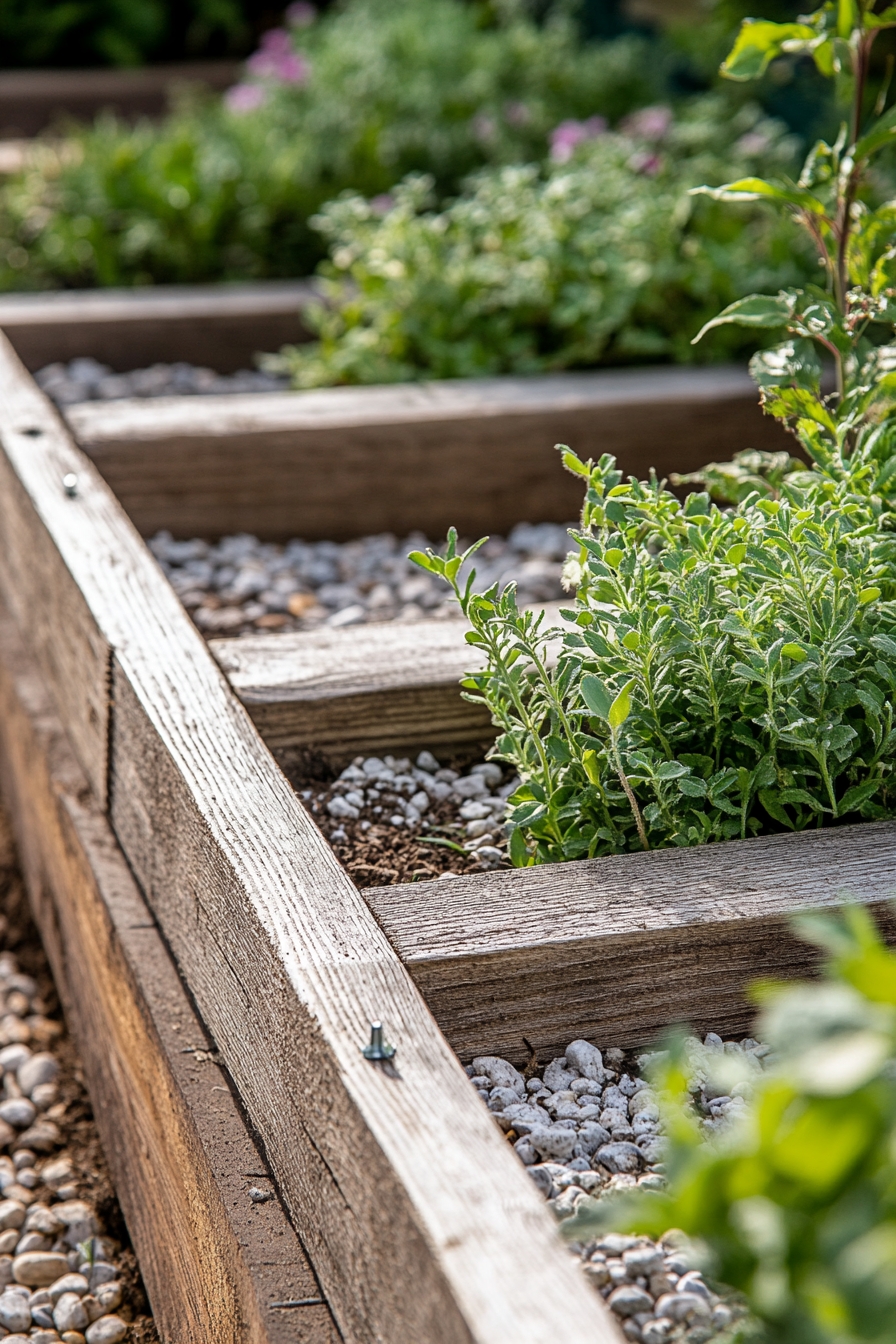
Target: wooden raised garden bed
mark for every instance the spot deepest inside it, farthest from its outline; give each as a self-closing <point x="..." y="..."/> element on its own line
<point x="477" y="453"/>
<point x="153" y="816"/>
<point x="32" y="100"/>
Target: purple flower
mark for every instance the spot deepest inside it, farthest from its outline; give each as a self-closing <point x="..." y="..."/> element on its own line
<point x="517" y="114"/>
<point x="276" y="59"/>
<point x="300" y="14"/>
<point x="382" y="204"/>
<point x="244" y="97"/>
<point x="569" y="134"/>
<point x="483" y="128"/>
<point x="754" y="142"/>
<point x="648" y="164"/>
<point x="650" y="123"/>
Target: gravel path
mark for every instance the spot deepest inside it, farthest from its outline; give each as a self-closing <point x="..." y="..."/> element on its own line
<point x="389" y="820"/>
<point x="66" y="1271"/>
<point x="241" y="585"/>
<point x="85" y="379"/>
<point x="588" y="1124"/>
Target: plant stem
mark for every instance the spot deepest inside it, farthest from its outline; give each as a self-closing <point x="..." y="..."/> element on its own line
<point x="633" y="802"/>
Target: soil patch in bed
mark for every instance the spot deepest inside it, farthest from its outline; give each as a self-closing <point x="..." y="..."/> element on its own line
<point x="389" y="820"/>
<point x="64" y="1169"/>
<point x="241" y="585"/>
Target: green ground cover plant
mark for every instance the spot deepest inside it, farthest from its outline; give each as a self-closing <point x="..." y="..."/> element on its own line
<point x="355" y="98"/>
<point x="599" y="256"/>
<point x="793" y="1204"/>
<point x="730" y="670"/>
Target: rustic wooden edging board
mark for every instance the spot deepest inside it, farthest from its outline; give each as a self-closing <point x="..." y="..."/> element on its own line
<point x="617" y="949"/>
<point x="31" y="100"/>
<point x="180" y="1154"/>
<point x="371" y="688"/>
<point x="614" y="949"/>
<point x="416" y="1216"/>
<point x="474" y="453"/>
<point x="219" y="326"/>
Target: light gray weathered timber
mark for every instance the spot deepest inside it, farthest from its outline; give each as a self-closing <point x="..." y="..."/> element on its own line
<point x="416" y="1215"/>
<point x="347" y="461"/>
<point x="181" y="1157"/>
<point x="389" y="687"/>
<point x="617" y="949"/>
<point x="31" y="100"/>
<point x="222" y="327"/>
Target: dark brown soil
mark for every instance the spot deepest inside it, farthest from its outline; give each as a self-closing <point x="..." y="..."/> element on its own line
<point x="385" y="855"/>
<point x="72" y="1113"/>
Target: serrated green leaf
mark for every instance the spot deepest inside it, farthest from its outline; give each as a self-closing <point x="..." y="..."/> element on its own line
<point x="760" y="42"/>
<point x="671" y="770"/>
<point x="858" y="794"/>
<point x="596" y="696"/>
<point x="756" y="311"/>
<point x="518" y="850"/>
<point x="621" y="706"/>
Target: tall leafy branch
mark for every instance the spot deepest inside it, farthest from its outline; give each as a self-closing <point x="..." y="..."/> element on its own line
<point x="728" y="671"/>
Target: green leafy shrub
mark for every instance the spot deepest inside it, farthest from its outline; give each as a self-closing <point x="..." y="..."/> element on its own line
<point x="731" y="670"/>
<point x="601" y="257"/>
<point x="794" y="1203"/>
<point x="373" y="90"/>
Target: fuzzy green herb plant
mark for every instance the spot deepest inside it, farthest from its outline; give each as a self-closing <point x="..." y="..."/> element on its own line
<point x="794" y="1203"/>
<point x="726" y="671"/>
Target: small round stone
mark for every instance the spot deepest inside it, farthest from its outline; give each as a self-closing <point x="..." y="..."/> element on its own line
<point x="629" y="1300"/>
<point x="38" y="1269"/>
<point x="106" y="1330"/>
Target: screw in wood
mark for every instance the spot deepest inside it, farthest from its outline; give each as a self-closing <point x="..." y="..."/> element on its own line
<point x="377" y="1049"/>
<point x="70" y="484"/>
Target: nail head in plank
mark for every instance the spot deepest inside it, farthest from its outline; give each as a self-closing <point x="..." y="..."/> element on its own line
<point x="477" y="454"/>
<point x="617" y="949"/>
<point x="171" y="1129"/>
<point x="390" y="1180"/>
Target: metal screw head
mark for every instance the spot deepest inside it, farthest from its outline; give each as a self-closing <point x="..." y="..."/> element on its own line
<point x="70" y="484"/>
<point x="377" y="1049"/>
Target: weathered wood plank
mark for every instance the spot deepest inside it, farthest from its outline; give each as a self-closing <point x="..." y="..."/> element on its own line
<point x="178" y="1148"/>
<point x="390" y="687"/>
<point x="617" y="949"/>
<point x="474" y="453"/>
<point x="219" y="326"/>
<point x="31" y="100"/>
<point x="42" y="592"/>
<point x="394" y="1179"/>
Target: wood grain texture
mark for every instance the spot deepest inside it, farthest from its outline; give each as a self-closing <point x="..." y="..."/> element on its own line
<point x="179" y="1151"/>
<point x="31" y="100"/>
<point x="220" y="326"/>
<point x="347" y="461"/>
<point x="617" y="949"/>
<point x="41" y="590"/>
<point x="418" y="1219"/>
<point x="390" y="687"/>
